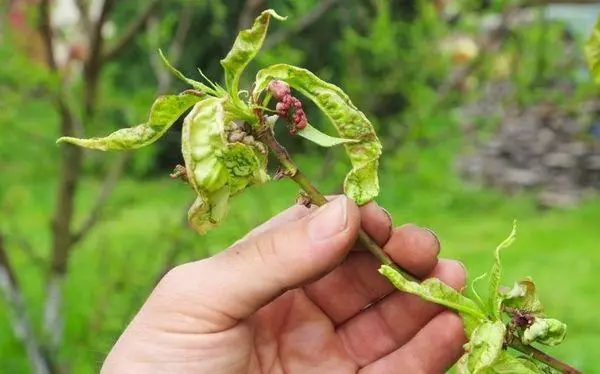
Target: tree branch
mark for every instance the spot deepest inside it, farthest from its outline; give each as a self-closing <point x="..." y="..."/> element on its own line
<point x="83" y="8"/>
<point x="108" y="186"/>
<point x="251" y="8"/>
<point x="47" y="34"/>
<point x="131" y="31"/>
<point x="21" y="324"/>
<point x="309" y="19"/>
<point x="93" y="64"/>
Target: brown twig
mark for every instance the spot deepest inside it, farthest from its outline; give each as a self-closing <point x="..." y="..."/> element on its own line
<point x="108" y="186"/>
<point x="535" y="353"/>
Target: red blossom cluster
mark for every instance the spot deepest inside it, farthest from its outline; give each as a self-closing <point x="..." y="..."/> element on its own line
<point x="286" y="103"/>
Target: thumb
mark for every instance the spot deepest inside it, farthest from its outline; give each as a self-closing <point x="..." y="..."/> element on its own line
<point x="220" y="291"/>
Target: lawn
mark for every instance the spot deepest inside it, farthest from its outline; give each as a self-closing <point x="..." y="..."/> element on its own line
<point x="114" y="268"/>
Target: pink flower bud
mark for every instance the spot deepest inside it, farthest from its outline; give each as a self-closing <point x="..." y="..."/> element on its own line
<point x="279" y="89"/>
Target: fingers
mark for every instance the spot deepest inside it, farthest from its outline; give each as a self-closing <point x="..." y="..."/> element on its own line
<point x="356" y="283"/>
<point x="220" y="291"/>
<point x="395" y="320"/>
<point x="433" y="350"/>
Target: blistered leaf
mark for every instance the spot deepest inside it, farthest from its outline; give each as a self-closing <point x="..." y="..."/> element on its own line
<point x="592" y="52"/>
<point x="362" y="183"/>
<point x="436" y="291"/>
<point x="245" y="167"/>
<point x="246" y="46"/>
<point x="322" y="139"/>
<point x="523" y="297"/>
<point x="546" y="331"/>
<point x="484" y="348"/>
<point x="216" y="169"/>
<point x="164" y="112"/>
<point x="495" y="275"/>
<point x="195" y="84"/>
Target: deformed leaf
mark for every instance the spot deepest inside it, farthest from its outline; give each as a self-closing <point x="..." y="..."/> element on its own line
<point x="164" y="112"/>
<point x="322" y="139"/>
<point x="546" y="331"/>
<point x="484" y="348"/>
<point x="436" y="291"/>
<point x="592" y="52"/>
<point x="523" y="297"/>
<point x="216" y="169"/>
<point x="244" y="166"/>
<point x="362" y="183"/>
<point x="496" y="297"/>
<point x="246" y="46"/>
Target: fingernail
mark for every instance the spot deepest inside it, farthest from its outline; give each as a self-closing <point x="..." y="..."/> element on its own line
<point x="329" y="220"/>
<point x="437" y="238"/>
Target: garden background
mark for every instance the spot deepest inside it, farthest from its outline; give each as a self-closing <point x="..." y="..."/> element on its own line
<point x="486" y="111"/>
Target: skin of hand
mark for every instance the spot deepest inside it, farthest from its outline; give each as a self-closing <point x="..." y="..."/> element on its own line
<point x="297" y="296"/>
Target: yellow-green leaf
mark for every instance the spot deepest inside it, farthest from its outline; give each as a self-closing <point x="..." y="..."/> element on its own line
<point x="362" y="182"/>
<point x="165" y="111"/>
<point x="246" y="46"/>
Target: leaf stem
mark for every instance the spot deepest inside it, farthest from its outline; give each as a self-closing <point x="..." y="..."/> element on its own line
<point x="535" y="353"/>
<point x="265" y="134"/>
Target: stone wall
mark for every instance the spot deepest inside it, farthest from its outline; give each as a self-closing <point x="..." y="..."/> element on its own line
<point x="542" y="148"/>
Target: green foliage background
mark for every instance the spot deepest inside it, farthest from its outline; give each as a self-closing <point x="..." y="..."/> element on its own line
<point x="384" y="54"/>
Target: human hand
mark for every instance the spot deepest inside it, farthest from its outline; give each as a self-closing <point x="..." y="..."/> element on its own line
<point x="294" y="297"/>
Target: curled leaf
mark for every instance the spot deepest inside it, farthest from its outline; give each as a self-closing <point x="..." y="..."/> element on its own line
<point x="246" y="46"/>
<point x="322" y="139"/>
<point x="523" y="297"/>
<point x="546" y="331"/>
<point x="484" y="348"/>
<point x="164" y="112"/>
<point x="362" y="183"/>
<point x="436" y="291"/>
<point x="496" y="297"/>
<point x="216" y="168"/>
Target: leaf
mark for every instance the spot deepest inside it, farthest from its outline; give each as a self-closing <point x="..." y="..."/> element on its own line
<point x="546" y="331"/>
<point x="523" y="297"/>
<point x="244" y="167"/>
<point x="592" y="52"/>
<point x="484" y="348"/>
<point x="495" y="301"/>
<point x="436" y="291"/>
<point x="164" y="112"/>
<point x="246" y="46"/>
<point x="362" y="183"/>
<point x="322" y="139"/>
<point x="195" y="84"/>
<point x="216" y="169"/>
<point x="507" y="364"/>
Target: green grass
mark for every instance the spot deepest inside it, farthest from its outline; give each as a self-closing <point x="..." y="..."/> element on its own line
<point x="113" y="269"/>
